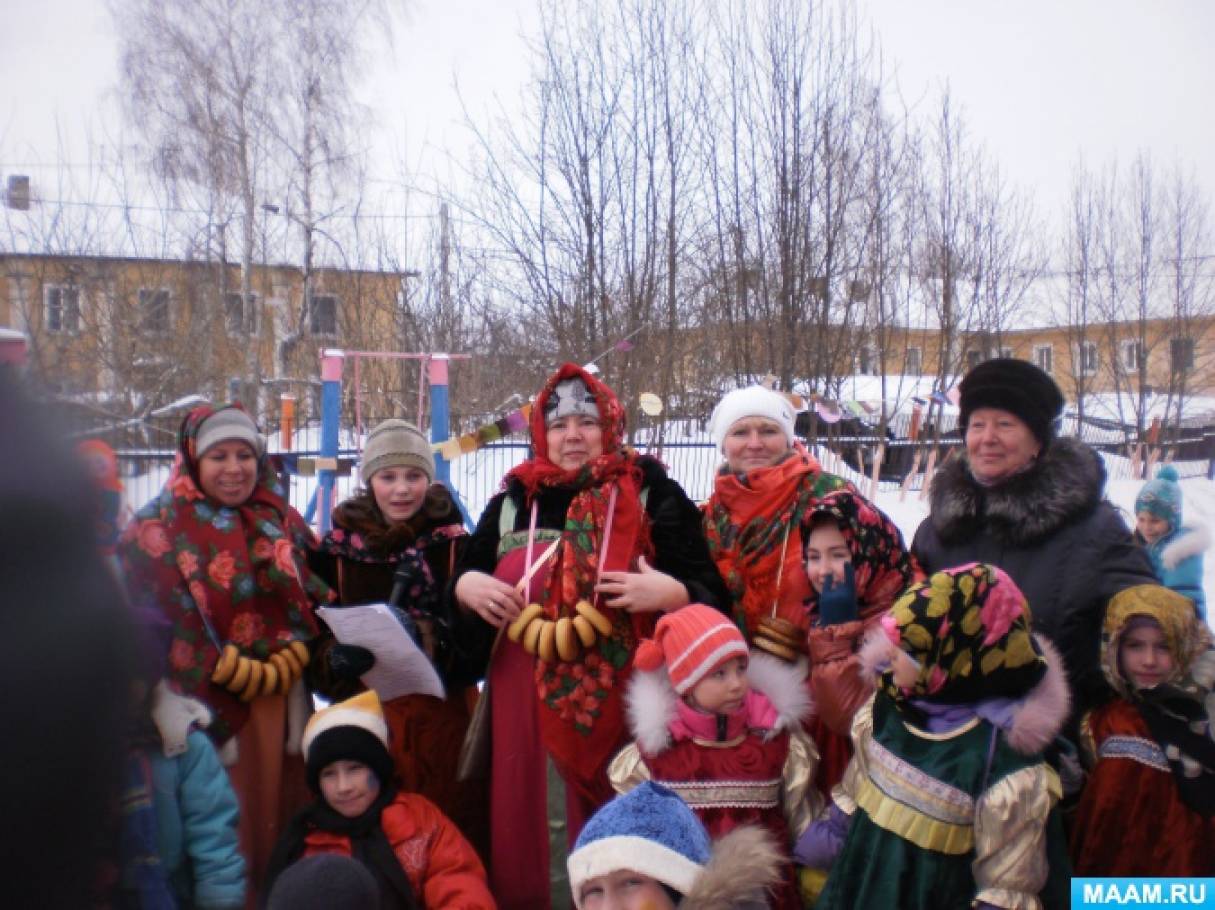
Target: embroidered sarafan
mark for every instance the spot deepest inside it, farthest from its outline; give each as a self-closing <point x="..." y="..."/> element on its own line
<point x="728" y="794"/>
<point x="902" y="781"/>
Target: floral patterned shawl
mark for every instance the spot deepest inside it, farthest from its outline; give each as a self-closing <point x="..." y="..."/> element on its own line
<point x="969" y="630"/>
<point x="583" y="724"/>
<point x="883" y="565"/>
<point x="746" y="522"/>
<point x="220" y="574"/>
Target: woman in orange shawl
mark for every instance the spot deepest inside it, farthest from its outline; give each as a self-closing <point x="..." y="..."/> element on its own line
<point x="766" y="497"/>
<point x="628" y="546"/>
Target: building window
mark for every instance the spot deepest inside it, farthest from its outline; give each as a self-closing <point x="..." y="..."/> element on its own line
<point x="1006" y="353"/>
<point x="322" y="314"/>
<point x="1087" y="355"/>
<point x="866" y="361"/>
<point x="1132" y="356"/>
<point x="62" y="309"/>
<point x="239" y="319"/>
<point x="1181" y="354"/>
<point x="154" y="309"/>
<point x="1044" y="357"/>
<point x="974" y="357"/>
<point x="915" y="362"/>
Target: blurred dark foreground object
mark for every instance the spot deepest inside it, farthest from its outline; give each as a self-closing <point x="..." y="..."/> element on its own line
<point x="65" y="668"/>
<point x="324" y="882"/>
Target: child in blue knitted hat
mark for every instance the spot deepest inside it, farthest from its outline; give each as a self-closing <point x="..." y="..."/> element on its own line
<point x="647" y="849"/>
<point x="1174" y="549"/>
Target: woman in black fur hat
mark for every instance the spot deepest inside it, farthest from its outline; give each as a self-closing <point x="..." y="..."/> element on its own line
<point x="1034" y="505"/>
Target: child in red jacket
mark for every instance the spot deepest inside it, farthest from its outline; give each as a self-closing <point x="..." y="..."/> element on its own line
<point x="418" y="857"/>
<point x="722" y="727"/>
<point x="857" y="564"/>
<point x="1149" y="805"/>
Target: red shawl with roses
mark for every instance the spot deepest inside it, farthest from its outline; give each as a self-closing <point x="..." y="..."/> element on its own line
<point x="220" y="574"/>
<point x="581" y="703"/>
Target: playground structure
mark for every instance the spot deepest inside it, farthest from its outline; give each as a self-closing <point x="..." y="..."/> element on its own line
<point x="433" y="373"/>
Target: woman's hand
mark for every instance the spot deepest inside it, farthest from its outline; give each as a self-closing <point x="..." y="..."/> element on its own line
<point x="494" y="601"/>
<point x="645" y="591"/>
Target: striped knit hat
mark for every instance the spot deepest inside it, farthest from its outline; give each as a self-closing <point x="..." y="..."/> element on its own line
<point x="693" y="641"/>
<point x="354" y="730"/>
<point x="227" y="423"/>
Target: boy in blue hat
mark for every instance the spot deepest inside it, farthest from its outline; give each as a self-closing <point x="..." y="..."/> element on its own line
<point x="647" y="849"/>
<point x="1174" y="549"/>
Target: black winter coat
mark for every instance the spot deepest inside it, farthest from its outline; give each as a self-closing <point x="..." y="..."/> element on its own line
<point x="1052" y="531"/>
<point x="680" y="549"/>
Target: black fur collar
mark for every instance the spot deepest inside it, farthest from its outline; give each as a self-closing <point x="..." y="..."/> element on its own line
<point x="1065" y="484"/>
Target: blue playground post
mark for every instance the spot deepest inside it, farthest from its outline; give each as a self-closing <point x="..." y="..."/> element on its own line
<point x="331" y="414"/>
<point x="440" y="415"/>
<point x="440" y="429"/>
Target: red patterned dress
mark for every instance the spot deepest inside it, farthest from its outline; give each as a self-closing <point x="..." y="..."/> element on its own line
<point x="1131" y="820"/>
<point x="752" y="767"/>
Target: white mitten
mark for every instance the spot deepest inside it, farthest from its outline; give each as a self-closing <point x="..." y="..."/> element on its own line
<point x="299" y="709"/>
<point x="173" y="714"/>
<point x="228" y="752"/>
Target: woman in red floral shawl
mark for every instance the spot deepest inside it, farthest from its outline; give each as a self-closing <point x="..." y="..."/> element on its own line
<point x="628" y="546"/>
<point x="222" y="556"/>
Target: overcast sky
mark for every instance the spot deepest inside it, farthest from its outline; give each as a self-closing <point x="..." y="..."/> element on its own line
<point x="1042" y="82"/>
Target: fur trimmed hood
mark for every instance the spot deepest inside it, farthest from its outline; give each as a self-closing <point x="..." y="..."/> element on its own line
<point x="745" y="863"/>
<point x="1191" y="540"/>
<point x="1066" y="483"/>
<point x="1039" y="716"/>
<point x="651" y="699"/>
<point x="1044" y="710"/>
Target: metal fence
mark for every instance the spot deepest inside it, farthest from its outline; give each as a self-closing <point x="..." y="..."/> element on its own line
<point x="145" y="451"/>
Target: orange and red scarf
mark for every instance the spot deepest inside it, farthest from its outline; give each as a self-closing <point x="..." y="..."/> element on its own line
<point x="754" y="520"/>
<point x="582" y="719"/>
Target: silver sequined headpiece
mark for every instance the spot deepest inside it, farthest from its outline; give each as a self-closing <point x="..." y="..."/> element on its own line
<point x="570" y="396"/>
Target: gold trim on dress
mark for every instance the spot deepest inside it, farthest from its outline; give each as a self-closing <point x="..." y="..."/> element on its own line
<point x="938" y="737"/>
<point x="911" y="824"/>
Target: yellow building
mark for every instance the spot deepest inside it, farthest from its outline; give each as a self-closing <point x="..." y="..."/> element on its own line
<point x="149" y="331"/>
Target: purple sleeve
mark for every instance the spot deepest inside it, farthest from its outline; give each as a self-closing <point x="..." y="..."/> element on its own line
<point x="821" y="843"/>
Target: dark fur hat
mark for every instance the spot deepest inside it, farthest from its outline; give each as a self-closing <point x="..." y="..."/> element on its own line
<point x="1016" y="386"/>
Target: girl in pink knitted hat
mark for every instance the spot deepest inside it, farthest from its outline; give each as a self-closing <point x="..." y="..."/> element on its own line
<point x="722" y="727"/>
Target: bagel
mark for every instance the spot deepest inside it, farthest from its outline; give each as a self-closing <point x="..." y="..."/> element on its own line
<point x="240" y="677"/>
<point x="546" y="650"/>
<point x="602" y="624"/>
<point x="292" y="661"/>
<point x="515" y="630"/>
<point x="567" y="639"/>
<point x="269" y="678"/>
<point x="781" y="631"/>
<point x="254" y="688"/>
<point x="776" y="649"/>
<point x="531" y="635"/>
<point x="286" y="670"/>
<point x="300" y="650"/>
<point x="586" y="632"/>
<point x="225" y="666"/>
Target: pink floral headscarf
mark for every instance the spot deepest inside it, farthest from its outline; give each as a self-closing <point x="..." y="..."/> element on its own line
<point x="968" y="628"/>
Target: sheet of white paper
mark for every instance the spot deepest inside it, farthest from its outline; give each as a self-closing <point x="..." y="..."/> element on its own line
<point x="401" y="667"/>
